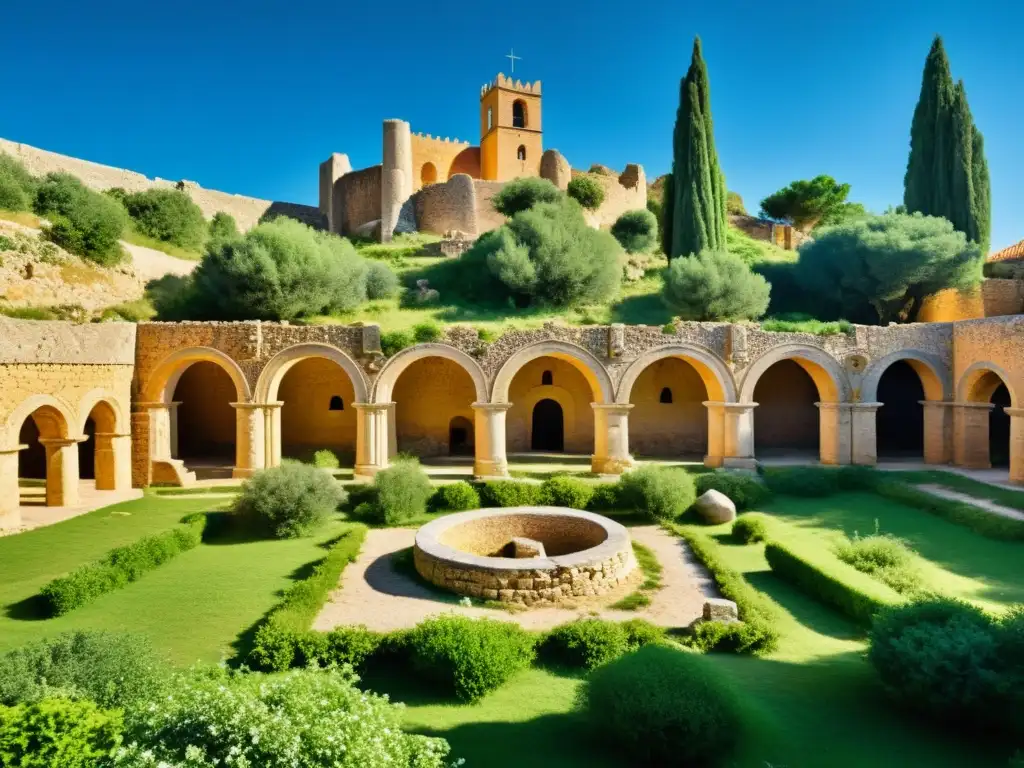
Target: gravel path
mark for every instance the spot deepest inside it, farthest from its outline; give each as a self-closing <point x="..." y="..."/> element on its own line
<point x="986" y="504"/>
<point x="373" y="594"/>
<point x="151" y="264"/>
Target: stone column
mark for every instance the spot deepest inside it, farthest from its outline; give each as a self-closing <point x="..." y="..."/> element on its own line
<point x="611" y="438"/>
<point x="371" y="438"/>
<point x="970" y="435"/>
<point x="163" y="428"/>
<point x="489" y="458"/>
<point x="61" y="471"/>
<point x="392" y="431"/>
<point x="272" y="433"/>
<point x="863" y="433"/>
<point x="730" y="435"/>
<point x="938" y="431"/>
<point x="250" y="456"/>
<point x="834" y="432"/>
<point x="715" y="456"/>
<point x="10" y="494"/>
<point x="112" y="457"/>
<point x="1016" y="444"/>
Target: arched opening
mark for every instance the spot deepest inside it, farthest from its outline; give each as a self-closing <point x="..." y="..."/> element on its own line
<point x="40" y="467"/>
<point x="429" y="395"/>
<point x="669" y="417"/>
<point x="96" y="460"/>
<point x="521" y="152"/>
<point x="316" y="394"/>
<point x="999" y="427"/>
<point x="518" y="113"/>
<point x="428" y="174"/>
<point x="547" y="432"/>
<point x="460" y="437"/>
<point x="205" y="419"/>
<point x="569" y="388"/>
<point x="786" y="418"/>
<point x="899" y="422"/>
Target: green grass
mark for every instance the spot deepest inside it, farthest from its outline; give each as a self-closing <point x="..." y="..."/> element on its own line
<point x="806" y="325"/>
<point x="25" y="218"/>
<point x="137" y="238"/>
<point x="652" y="569"/>
<point x="1005" y="496"/>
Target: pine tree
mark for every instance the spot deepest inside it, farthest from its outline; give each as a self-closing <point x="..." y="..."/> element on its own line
<point x="694" y="215"/>
<point x="947" y="174"/>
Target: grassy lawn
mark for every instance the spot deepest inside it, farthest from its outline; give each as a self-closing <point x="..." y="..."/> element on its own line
<point x="957" y="482"/>
<point x="137" y="238"/>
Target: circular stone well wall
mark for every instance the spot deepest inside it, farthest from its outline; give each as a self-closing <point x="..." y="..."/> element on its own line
<point x="470" y="553"/>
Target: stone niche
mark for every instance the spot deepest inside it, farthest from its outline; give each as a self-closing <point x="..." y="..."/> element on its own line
<point x="527" y="555"/>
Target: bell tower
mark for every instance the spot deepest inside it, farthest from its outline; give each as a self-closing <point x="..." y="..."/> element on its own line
<point x="510" y="129"/>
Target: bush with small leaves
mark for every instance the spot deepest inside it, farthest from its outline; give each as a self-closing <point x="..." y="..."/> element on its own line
<point x="636" y="231"/>
<point x="749" y="529"/>
<point x="884" y="557"/>
<point x="564" y="491"/>
<point x="509" y="493"/>
<point x="714" y="285"/>
<point x="522" y="194"/>
<point x="605" y="497"/>
<point x="586" y="191"/>
<point x="471" y="657"/>
<point x="584" y="643"/>
<point x="658" y="492"/>
<point x="455" y="497"/>
<point x="81" y="221"/>
<point x="58" y="733"/>
<point x="223" y="228"/>
<point x="381" y="281"/>
<point x="402" y="492"/>
<point x="393" y="342"/>
<point x="326" y="459"/>
<point x="17" y="186"/>
<point x="426" y="332"/>
<point x="744" y="489"/>
<point x="168" y="215"/>
<point x="661" y="706"/>
<point x="290" y="500"/>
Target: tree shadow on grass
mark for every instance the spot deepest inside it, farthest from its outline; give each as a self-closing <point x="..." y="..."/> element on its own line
<point x="642" y="309"/>
<point x="32" y="608"/>
<point x="812" y="614"/>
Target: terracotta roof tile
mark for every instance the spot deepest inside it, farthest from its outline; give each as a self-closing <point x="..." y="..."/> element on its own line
<point x="1011" y="253"/>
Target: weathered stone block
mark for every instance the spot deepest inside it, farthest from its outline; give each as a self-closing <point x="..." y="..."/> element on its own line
<point x="720" y="609"/>
<point x="715" y="507"/>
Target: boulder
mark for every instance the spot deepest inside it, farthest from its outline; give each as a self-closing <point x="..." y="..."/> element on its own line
<point x="716" y="508"/>
<point x="523" y="547"/>
<point x="719" y="609"/>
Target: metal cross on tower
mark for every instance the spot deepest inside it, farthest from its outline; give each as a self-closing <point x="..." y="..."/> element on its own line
<point x="511" y="56"/>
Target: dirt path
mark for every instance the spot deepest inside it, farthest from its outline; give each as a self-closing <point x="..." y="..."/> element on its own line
<point x="373" y="594"/>
<point x="986" y="504"/>
<point x="151" y="264"/>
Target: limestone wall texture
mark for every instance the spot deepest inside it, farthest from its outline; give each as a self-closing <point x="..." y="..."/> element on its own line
<point x="246" y="210"/>
<point x="992" y="344"/>
<point x="449" y="206"/>
<point x="356" y="200"/>
<point x="486" y="217"/>
<point x="441" y="154"/>
<point x="628" y="192"/>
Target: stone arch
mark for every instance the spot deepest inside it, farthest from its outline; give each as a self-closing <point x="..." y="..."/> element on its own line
<point x="111" y="412"/>
<point x="384" y="386"/>
<point x="428" y="174"/>
<point x="54" y="414"/>
<point x="712" y="369"/>
<point x="593" y="371"/>
<point x="160" y="386"/>
<point x="270" y="378"/>
<point x="828" y="376"/>
<point x="52" y="421"/>
<point x="934" y="379"/>
<point x="980" y="381"/>
<point x="104" y="453"/>
<point x="520" y="114"/>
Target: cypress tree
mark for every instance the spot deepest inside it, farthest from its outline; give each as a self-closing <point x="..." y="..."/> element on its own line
<point x="695" y="217"/>
<point x="947" y="174"/>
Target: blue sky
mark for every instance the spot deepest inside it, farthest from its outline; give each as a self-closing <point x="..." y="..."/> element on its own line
<point x="250" y="101"/>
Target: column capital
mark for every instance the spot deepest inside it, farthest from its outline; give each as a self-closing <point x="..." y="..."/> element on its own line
<point x="15" y="449"/>
<point x="258" y="406"/>
<point x="491" y="406"/>
<point x="735" y="407"/>
<point x="60" y="442"/>
<point x="612" y="407"/>
<point x="870" y="407"/>
<point x="936" y="403"/>
<point x="112" y="434"/>
<point x="978" y="406"/>
<point x="835" y="406"/>
<point x="1014" y="411"/>
<point x="372" y="407"/>
<point x="157" y="405"/>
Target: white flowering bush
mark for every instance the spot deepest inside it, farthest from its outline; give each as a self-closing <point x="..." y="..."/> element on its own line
<point x="307" y="718"/>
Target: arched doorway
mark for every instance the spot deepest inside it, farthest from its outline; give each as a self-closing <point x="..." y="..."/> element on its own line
<point x="317" y="410"/>
<point x="899" y="422"/>
<point x="205" y="421"/>
<point x="999" y="427"/>
<point x="96" y="457"/>
<point x="460" y="437"/>
<point x="547" y="431"/>
<point x="428" y="174"/>
<point x="786" y="418"/>
<point x="429" y="394"/>
<point x="519" y="114"/>
<point x="562" y="382"/>
<point x="44" y="474"/>
<point x="669" y="418"/>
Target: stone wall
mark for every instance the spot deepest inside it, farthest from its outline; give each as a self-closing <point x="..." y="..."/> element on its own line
<point x="356" y="200"/>
<point x="429" y="395"/>
<point x="1002" y="297"/>
<point x="627" y="192"/>
<point x="442" y="154"/>
<point x="449" y="206"/>
<point x="246" y="210"/>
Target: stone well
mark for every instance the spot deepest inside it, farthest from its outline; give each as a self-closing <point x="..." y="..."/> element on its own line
<point x="472" y="553"/>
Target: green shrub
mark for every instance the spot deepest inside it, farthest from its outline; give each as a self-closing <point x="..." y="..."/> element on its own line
<point x="584" y="643"/>
<point x="640" y="632"/>
<point x="290" y="500"/>
<point x="81" y="221"/>
<point x="114" y="670"/>
<point x="471" y="657"/>
<point x="302" y="718"/>
<point x="883" y="557"/>
<point x="734" y="204"/>
<point x="426" y="332"/>
<point x="660" y="706"/>
<point x="522" y="194"/>
<point x="57" y="733"/>
<point x="168" y="215"/>
<point x="587" y="192"/>
<point x="402" y="492"/>
<point x="381" y="281"/>
<point x="828" y="579"/>
<point x="326" y="459"/>
<point x="275" y="646"/>
<point x="17" y="186"/>
<point x="351" y="645"/>
<point x="749" y="529"/>
<point x="222" y="229"/>
<point x="744" y="489"/>
<point x="455" y="497"/>
<point x="976" y="519"/>
<point x="658" y="492"/>
<point x="393" y="342"/>
<point x="636" y="231"/>
<point x="544" y="256"/>
<point x="563" y="491"/>
<point x="509" y="493"/>
<point x="808" y="482"/>
<point x="605" y="497"/>
<point x="714" y="285"/>
<point x="280" y="270"/>
<point x="120" y="566"/>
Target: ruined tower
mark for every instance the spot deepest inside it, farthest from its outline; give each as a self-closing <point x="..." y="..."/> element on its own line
<point x="510" y="129"/>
